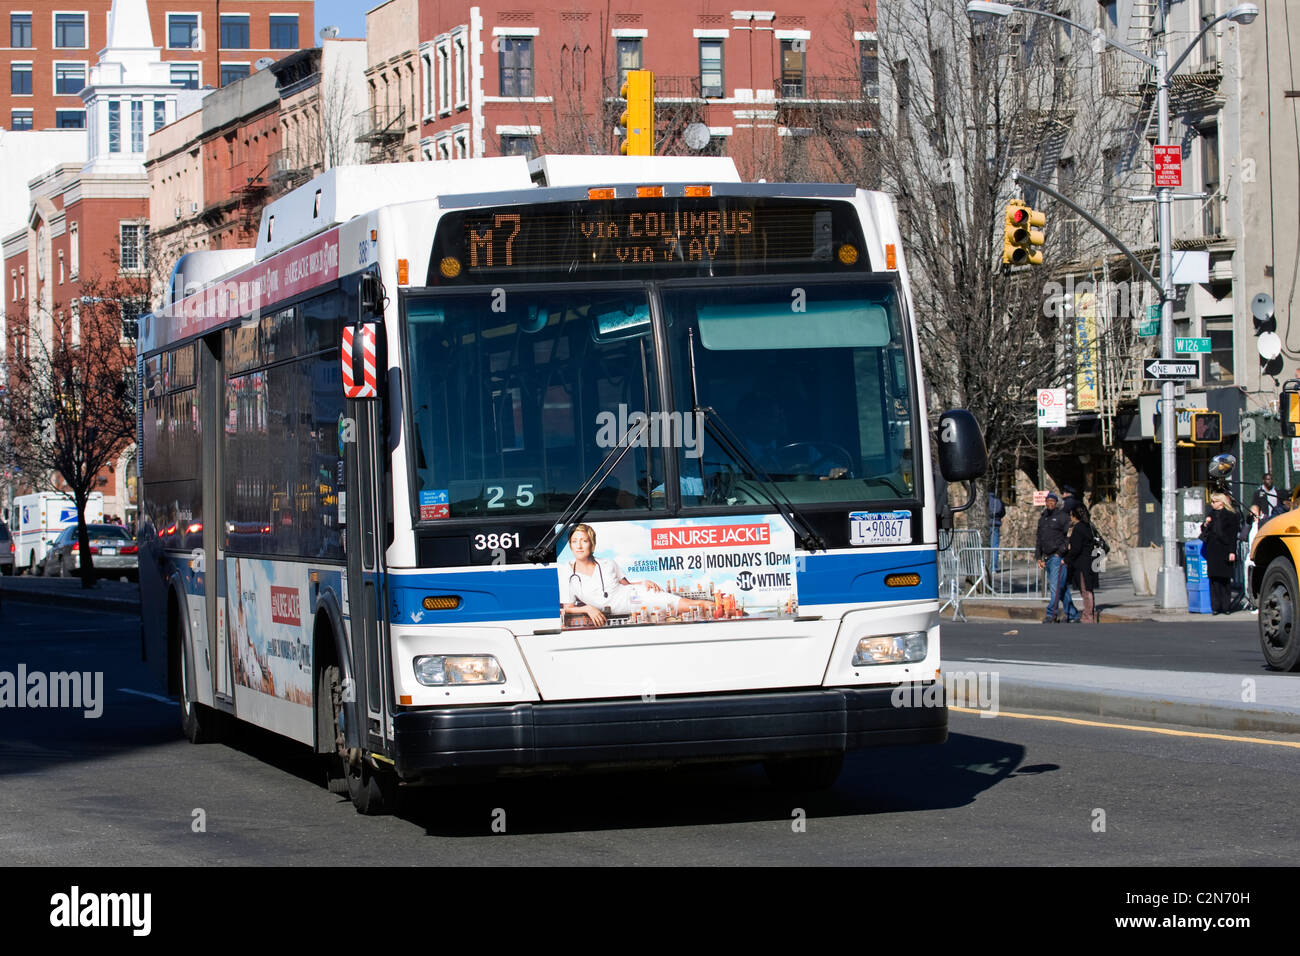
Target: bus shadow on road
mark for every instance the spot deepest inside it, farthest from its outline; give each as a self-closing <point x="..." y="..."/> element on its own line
<point x="885" y="780"/>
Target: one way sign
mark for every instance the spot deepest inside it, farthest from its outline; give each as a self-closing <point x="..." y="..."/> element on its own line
<point x="1161" y="369"/>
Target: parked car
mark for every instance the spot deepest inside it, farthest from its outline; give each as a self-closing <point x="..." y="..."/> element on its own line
<point x="112" y="549"/>
<point x="6" y="550"/>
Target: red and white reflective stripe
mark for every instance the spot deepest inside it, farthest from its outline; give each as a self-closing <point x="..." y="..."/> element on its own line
<point x="369" y="386"/>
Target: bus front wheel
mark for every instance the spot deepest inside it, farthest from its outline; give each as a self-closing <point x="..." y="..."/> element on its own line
<point x="1279" y="637"/>
<point x="198" y="723"/>
<point x="373" y="792"/>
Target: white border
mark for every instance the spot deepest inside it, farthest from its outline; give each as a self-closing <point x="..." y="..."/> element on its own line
<point x="167" y="28"/>
<point x="54" y="30"/>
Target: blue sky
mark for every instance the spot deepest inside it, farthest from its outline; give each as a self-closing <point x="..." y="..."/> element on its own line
<point x="348" y="15"/>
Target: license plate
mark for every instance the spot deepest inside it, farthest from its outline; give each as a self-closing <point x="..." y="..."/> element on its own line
<point x="880" y="527"/>
<point x="108" y="551"/>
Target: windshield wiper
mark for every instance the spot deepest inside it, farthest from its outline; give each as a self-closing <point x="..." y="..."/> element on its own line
<point x="540" y="552"/>
<point x="809" y="540"/>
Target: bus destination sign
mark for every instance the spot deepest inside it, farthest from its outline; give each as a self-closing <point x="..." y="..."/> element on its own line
<point x="690" y="235"/>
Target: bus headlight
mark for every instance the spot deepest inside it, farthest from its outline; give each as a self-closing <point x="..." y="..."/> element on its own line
<point x="891" y="649"/>
<point x="439" y="670"/>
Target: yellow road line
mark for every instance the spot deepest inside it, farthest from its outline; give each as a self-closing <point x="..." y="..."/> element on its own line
<point x="1149" y="730"/>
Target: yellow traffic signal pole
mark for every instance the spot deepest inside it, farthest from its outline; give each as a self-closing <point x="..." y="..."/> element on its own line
<point x="638" y="120"/>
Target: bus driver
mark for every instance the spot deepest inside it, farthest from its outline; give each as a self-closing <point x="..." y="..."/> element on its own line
<point x="597" y="588"/>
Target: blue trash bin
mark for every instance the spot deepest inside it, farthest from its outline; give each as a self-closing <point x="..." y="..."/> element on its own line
<point x="1198" y="579"/>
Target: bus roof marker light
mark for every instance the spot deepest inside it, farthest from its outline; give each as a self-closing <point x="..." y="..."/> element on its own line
<point x="698" y="192"/>
<point x="891" y="256"/>
<point x="603" y="192"/>
<point x="449" y="267"/>
<point x="649" y="192"/>
<point x="848" y="254"/>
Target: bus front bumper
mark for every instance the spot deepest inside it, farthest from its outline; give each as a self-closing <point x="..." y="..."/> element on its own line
<point x="723" y="726"/>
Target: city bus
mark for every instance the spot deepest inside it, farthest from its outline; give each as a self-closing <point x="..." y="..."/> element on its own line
<point x="504" y="466"/>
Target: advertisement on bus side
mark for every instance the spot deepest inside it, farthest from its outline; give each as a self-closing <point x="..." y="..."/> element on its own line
<point x="679" y="571"/>
<point x="272" y="655"/>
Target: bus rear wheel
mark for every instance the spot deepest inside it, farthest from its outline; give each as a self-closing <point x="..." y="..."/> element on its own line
<point x="804" y="773"/>
<point x="1279" y="637"/>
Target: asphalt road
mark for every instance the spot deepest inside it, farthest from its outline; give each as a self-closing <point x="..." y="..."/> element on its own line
<point x="126" y="789"/>
<point x="1213" y="646"/>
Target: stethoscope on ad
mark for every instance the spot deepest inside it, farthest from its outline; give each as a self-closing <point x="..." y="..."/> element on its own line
<point x="599" y="570"/>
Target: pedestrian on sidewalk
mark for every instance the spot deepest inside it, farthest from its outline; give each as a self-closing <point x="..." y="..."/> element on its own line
<point x="997" y="511"/>
<point x="1266" y="498"/>
<point x="1080" y="560"/>
<point x="1220" y="536"/>
<point x="1050" y="546"/>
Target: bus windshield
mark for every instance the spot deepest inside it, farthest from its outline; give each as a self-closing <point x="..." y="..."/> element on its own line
<point x="518" y="396"/>
<point x="813" y="380"/>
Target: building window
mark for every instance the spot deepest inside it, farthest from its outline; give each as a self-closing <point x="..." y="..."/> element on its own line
<point x="1109" y="15"/>
<point x="516" y="66"/>
<point x="443" y="53"/>
<point x="114" y="126"/>
<point x="711" y="83"/>
<point x="232" y="72"/>
<point x="792" y="67"/>
<point x="1210" y="178"/>
<point x="182" y="31"/>
<point x="513" y="145"/>
<point x="462" y="70"/>
<point x="20" y="31"/>
<point x="20" y="79"/>
<point x="69" y="78"/>
<point x="628" y="52"/>
<point x="134" y="237"/>
<point x="20" y="119"/>
<point x="426" y="70"/>
<point x="444" y="147"/>
<point x="460" y="137"/>
<point x="185" y="75"/>
<point x="70" y="119"/>
<point x="284" y="32"/>
<point x="869" y="65"/>
<point x="74" y="250"/>
<point x="70" y="31"/>
<point x="1219" y="364"/>
<point x="137" y="126"/>
<point x="159" y="114"/>
<point x="234" y="32"/>
<point x="132" y="308"/>
<point x="60" y="267"/>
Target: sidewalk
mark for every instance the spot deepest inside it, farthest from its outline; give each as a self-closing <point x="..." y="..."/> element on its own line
<point x="1115" y="600"/>
<point x="107" y="595"/>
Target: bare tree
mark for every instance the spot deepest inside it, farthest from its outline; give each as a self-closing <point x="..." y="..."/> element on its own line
<point x="71" y="408"/>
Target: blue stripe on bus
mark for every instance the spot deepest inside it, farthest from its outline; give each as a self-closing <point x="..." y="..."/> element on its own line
<point x="521" y="593"/>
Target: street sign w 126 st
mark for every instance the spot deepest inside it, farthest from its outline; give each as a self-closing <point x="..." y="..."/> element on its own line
<point x="1191" y="345"/>
<point x="1164" y="370"/>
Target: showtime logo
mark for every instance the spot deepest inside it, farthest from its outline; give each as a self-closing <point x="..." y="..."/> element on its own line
<point x="284" y="606"/>
<point x="717" y="536"/>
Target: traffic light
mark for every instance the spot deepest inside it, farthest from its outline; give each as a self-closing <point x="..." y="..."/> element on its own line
<point x="1288" y="409"/>
<point x="1207" y="428"/>
<point x="638" y="120"/>
<point x="1020" y="237"/>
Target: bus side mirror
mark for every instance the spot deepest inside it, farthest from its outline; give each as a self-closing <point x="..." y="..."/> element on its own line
<point x="962" y="456"/>
<point x="362" y="341"/>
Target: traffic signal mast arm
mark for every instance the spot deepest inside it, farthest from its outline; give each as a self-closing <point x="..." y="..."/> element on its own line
<point x="1016" y="176"/>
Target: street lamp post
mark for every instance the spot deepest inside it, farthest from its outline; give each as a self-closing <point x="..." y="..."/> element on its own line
<point x="1171" y="586"/>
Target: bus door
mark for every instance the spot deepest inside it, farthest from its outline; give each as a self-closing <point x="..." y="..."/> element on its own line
<point x="212" y="401"/>
<point x="365" y="536"/>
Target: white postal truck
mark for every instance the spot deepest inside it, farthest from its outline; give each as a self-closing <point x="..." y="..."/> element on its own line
<point x="38" y="520"/>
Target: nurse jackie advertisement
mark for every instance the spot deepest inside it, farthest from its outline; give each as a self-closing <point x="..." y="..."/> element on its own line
<point x="689" y="571"/>
<point x="271" y="655"/>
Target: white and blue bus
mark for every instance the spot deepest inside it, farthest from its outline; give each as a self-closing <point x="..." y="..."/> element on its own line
<point x="646" y="478"/>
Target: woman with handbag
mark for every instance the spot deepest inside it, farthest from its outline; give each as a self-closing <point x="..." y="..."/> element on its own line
<point x="1220" y="537"/>
<point x="1079" y="559"/>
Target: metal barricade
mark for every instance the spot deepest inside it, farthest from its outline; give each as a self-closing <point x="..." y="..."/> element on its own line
<point x="970" y="571"/>
<point x="958" y="565"/>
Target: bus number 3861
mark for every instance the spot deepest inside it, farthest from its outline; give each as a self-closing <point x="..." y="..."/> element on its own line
<point x="490" y="542"/>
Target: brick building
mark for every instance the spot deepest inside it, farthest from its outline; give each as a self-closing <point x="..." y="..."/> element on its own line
<point x="501" y="78"/>
<point x="51" y="48"/>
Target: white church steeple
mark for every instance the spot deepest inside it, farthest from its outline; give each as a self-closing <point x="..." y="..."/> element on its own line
<point x="129" y="93"/>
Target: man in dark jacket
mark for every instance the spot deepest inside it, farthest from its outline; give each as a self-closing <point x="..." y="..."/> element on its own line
<point x="1050" y="546"/>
